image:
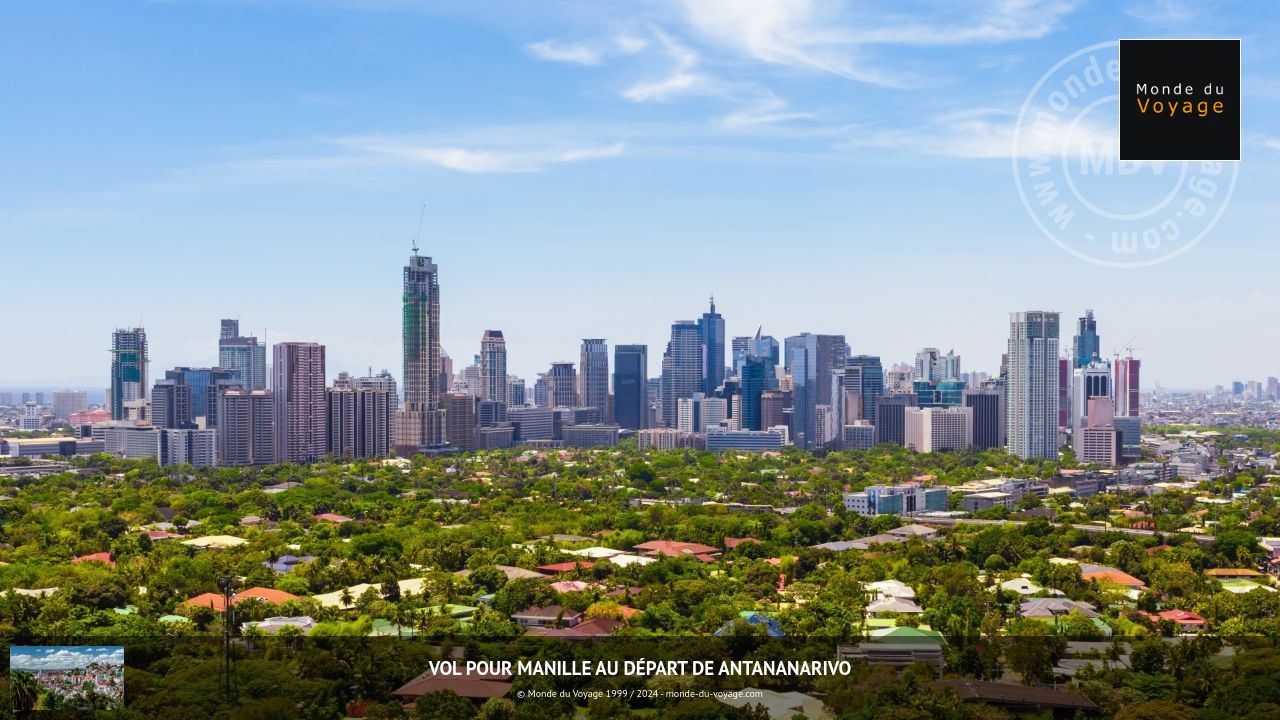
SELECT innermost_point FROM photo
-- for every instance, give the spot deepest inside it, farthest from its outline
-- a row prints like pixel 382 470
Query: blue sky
pixel 62 657
pixel 589 170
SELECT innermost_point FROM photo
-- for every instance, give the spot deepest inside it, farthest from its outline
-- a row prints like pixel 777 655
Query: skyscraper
pixel 871 376
pixel 593 374
pixel 1088 382
pixel 203 382
pixel 300 409
pixel 1128 386
pixel 630 386
pixel 681 368
pixel 711 338
pixel 988 406
pixel 171 405
pixel 811 359
pixel 460 421
pixel 753 381
pixel 1032 386
pixel 562 382
pixel 928 368
pixel 417 423
pixel 245 434
pixel 493 367
pixel 891 418
pixel 242 355
pixel 128 369
pixel 68 402
pixel 1086 347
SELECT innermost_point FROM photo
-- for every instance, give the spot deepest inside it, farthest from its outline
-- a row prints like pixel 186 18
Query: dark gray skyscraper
pixel 711 337
pixel 891 414
pixel 988 416
pixel 630 386
pixel 171 405
pixel 562 385
pixel 128 369
pixel 681 368
pixel 593 374
pixel 418 423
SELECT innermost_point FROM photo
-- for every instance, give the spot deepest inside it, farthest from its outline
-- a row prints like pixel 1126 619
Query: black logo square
pixel 1179 99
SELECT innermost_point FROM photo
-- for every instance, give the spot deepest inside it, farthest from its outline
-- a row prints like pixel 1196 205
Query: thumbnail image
pixel 51 677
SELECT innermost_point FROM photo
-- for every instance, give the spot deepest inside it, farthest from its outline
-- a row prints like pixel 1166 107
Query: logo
pixel 1097 207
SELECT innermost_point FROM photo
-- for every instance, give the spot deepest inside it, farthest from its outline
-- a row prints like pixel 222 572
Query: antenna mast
pixel 418 234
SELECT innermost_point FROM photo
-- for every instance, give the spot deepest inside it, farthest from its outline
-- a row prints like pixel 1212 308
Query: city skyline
pixel 656 156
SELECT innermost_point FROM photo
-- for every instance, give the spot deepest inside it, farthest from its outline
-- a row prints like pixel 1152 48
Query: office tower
pixel 1065 368
pixel 810 359
pixel 631 386
pixel 67 402
pixel 681 368
pixel 1129 430
pixel 243 355
pixel 1087 382
pixel 1128 386
pixel 1032 386
pixel 949 366
pixel 418 424
pixel 340 418
pixel 246 427
pixel 1273 390
pixel 562 382
pixel 870 376
pixel 202 382
pixel 711 338
pixel 860 435
pixel 493 367
pixel 445 380
pixel 826 423
pixel 928 368
pixel 128 369
pixel 593 376
pixel 754 377
pixel 532 423
pixel 774 405
pixel 938 429
pixel 540 391
pixel 171 405
pixel 6 399
pixel 516 396
pixel 1097 440
pixel 739 349
pixel 298 389
pixel 891 418
pixel 988 406
pixel 689 413
pixel 1237 388
pixel 765 346
pixel 1086 346
pixel 40 399
pixel 460 421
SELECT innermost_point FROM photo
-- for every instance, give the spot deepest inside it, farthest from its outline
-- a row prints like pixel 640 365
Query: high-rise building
pixel 243 355
pixel 711 338
pixel 417 423
pixel 988 406
pixel 1065 367
pixel 681 368
pixel 340 418
pixel 928 368
pixel 128 369
pixel 949 366
pixel 493 367
pixel 1032 386
pixel 246 427
pixel 460 421
pixel 891 418
pixel 1128 386
pixel 593 375
pixel 630 386
pixel 1096 440
pixel 1086 347
pixel 187 446
pixel 516 392
pixel 1087 382
pixel 811 359
pixel 774 408
pixel 202 382
pixel 171 405
pixel 938 429
pixel 869 377
pixel 753 382
pixel 361 415
pixel 298 379
pixel 739 348
pixel 68 402
pixel 562 382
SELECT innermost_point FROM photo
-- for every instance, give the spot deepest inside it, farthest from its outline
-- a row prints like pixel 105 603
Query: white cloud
pixel 989 133
pixel 682 79
pixel 63 658
pixel 767 111
pixel 470 160
pixel 587 53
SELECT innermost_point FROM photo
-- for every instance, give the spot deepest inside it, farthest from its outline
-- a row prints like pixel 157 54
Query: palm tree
pixel 24 690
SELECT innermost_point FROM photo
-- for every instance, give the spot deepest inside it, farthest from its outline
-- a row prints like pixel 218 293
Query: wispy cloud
pixel 768 110
pixel 587 52
pixel 478 160
pixel 1164 12
pixel 681 79
pixel 986 133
